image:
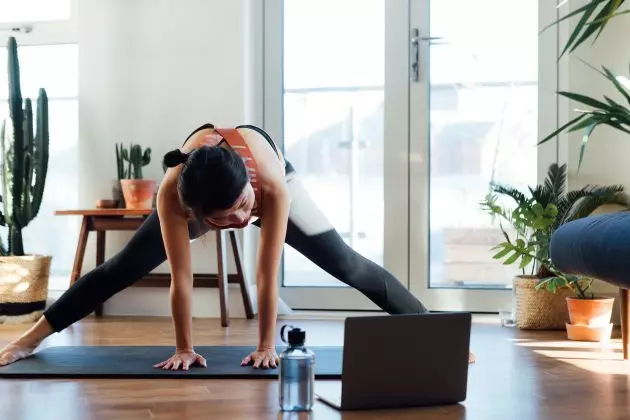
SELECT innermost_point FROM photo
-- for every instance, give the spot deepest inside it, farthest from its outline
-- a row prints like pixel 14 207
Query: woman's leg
pixel 143 253
pixel 311 234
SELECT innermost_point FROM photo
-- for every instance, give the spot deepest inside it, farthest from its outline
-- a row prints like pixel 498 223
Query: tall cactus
pixel 24 152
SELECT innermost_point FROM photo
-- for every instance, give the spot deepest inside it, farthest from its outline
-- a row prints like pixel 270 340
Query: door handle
pixel 415 51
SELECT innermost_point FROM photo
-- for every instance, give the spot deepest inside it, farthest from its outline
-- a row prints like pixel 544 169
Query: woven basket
pixel 539 309
pixel 23 287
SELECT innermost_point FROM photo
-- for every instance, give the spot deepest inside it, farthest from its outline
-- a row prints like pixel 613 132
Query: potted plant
pixel 122 172
pixel 137 191
pixel 590 315
pixel 24 152
pixel 541 291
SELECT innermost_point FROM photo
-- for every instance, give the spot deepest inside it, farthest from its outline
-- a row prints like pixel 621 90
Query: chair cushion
pixel 595 246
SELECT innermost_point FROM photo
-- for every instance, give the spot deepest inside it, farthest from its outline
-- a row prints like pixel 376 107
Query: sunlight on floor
pixel 617 366
pixel 601 358
pixel 568 344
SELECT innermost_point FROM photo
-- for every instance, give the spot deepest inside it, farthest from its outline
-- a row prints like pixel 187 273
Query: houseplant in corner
pixel 137 191
pixel 591 315
pixel 540 290
pixel 24 154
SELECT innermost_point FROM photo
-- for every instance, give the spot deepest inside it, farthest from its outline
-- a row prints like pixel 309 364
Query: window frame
pixel 50 32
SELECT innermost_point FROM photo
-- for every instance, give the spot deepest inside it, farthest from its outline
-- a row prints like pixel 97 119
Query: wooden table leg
pixel 242 279
pixel 100 259
pixel 625 322
pixel 222 271
pixel 80 252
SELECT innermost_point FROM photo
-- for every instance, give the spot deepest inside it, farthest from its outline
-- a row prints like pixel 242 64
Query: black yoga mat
pixel 223 362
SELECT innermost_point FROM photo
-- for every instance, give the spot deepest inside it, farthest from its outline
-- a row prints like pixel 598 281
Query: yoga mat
pixel 223 362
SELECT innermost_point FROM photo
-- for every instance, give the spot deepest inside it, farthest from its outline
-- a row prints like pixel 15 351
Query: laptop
pixel 397 361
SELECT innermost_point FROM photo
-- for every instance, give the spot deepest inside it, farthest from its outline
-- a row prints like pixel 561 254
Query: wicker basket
pixel 23 287
pixel 539 309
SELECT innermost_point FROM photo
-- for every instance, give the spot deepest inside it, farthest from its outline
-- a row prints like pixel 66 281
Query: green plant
pixel 122 155
pixel 605 112
pixel 24 154
pixel 536 215
pixel 137 160
pixel 590 24
pixel 594 17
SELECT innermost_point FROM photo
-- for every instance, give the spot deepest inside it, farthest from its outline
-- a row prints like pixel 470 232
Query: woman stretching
pixel 221 178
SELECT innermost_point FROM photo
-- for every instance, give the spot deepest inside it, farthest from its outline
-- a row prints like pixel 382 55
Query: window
pixel 48 59
pixel 12 11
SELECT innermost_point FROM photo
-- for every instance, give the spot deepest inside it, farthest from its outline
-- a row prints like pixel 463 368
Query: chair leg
pixel 625 322
pixel 222 277
pixel 242 279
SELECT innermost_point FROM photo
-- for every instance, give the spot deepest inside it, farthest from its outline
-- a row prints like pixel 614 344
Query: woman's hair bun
pixel 174 158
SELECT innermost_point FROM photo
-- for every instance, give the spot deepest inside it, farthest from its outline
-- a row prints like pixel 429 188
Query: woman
pixel 221 178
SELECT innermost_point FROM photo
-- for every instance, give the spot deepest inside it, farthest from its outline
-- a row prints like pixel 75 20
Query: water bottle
pixel 296 372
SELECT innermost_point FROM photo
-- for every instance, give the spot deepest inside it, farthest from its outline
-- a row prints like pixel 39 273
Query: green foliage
pixel 137 159
pixel 24 148
pixel 536 215
pixel 594 16
pixel 604 112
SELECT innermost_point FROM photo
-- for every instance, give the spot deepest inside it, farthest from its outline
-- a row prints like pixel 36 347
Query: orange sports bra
pixel 238 144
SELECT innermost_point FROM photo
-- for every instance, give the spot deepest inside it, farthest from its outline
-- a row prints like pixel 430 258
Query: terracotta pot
pixel 590 319
pixel 595 312
pixel 138 193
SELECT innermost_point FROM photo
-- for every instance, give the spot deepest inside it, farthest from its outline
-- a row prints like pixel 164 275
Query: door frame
pixel 406 235
pixel 551 77
pixel 396 185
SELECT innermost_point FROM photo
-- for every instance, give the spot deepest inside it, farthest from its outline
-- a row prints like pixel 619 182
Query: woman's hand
pixel 183 358
pixel 265 357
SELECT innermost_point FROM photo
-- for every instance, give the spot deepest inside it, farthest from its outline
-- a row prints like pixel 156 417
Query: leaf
pixel 525 261
pixel 561 129
pixel 585 138
pixel 501 253
pixel 607 10
pixel 588 11
pixel 586 100
pixel 610 76
pixel 512 259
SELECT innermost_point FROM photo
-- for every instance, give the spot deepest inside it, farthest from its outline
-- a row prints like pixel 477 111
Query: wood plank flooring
pixel 518 375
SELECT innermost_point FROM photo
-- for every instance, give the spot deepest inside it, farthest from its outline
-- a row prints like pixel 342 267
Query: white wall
pixel 150 72
pixel 606 157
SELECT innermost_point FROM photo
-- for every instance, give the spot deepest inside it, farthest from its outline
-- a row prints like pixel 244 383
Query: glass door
pixel 336 98
pixel 480 100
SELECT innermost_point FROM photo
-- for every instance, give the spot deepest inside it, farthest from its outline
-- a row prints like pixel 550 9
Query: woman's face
pixel 239 213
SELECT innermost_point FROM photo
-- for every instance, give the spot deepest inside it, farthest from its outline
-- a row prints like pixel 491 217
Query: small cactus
pixel 137 159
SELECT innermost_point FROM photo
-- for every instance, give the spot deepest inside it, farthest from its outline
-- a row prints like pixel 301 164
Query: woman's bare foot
pixel 471 358
pixel 25 345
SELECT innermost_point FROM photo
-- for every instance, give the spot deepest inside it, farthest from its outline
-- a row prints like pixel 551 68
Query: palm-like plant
pixel 537 214
pixel 594 16
pixel 604 112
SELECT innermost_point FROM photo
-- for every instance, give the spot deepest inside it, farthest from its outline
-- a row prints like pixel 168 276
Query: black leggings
pixel 308 232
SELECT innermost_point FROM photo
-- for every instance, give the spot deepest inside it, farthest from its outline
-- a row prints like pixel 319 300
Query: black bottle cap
pixel 297 337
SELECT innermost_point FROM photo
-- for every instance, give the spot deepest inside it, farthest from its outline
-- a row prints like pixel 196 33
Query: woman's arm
pixel 174 226
pixel 274 219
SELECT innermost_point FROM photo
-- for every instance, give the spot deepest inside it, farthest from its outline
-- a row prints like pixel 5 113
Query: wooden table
pixel 121 219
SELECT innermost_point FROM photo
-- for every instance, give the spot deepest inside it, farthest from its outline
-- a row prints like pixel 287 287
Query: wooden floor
pixel 518 375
